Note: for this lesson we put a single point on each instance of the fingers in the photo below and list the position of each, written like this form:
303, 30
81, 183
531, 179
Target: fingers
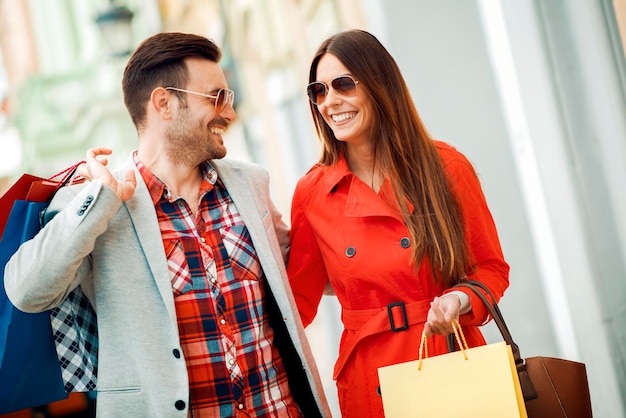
94, 152
440, 315
95, 168
82, 171
436, 322
126, 189
130, 178
92, 168
428, 331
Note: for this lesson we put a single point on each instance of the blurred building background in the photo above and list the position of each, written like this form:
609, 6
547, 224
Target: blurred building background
532, 91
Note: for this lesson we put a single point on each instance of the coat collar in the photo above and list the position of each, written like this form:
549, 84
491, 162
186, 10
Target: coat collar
335, 173
361, 199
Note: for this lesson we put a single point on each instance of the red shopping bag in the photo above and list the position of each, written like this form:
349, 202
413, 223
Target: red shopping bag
34, 189
30, 374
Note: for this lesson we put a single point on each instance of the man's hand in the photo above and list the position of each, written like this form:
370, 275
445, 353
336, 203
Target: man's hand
95, 168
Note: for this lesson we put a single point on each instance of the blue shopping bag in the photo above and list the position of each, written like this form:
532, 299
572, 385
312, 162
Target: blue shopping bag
47, 355
30, 374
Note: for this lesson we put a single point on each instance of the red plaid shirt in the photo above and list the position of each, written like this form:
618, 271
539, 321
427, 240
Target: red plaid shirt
234, 368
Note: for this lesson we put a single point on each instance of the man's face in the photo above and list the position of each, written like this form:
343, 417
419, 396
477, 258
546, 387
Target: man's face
195, 134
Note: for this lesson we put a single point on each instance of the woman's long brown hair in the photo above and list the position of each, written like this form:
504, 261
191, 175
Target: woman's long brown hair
404, 151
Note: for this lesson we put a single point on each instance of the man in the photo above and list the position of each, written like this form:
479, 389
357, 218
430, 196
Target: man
182, 255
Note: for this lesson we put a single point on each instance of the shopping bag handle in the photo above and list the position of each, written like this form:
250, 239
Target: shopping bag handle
460, 339
528, 388
495, 312
68, 175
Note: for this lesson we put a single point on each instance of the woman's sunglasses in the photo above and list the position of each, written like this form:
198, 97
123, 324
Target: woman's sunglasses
318, 90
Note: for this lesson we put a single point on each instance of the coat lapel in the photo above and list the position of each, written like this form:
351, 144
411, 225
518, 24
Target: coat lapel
144, 219
240, 191
249, 204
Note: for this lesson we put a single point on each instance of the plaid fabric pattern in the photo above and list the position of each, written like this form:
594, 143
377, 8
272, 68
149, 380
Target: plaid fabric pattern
75, 332
217, 280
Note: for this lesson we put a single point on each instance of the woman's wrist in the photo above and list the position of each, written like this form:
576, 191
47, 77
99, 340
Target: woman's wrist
464, 299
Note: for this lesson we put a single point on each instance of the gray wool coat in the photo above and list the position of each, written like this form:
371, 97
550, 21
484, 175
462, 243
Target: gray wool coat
114, 251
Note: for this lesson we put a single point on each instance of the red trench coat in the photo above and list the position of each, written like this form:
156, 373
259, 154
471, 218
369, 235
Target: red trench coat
344, 232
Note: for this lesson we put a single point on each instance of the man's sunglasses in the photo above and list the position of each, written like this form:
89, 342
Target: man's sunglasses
318, 90
222, 98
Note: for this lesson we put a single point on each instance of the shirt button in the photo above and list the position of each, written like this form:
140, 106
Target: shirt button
240, 406
176, 352
180, 405
350, 251
231, 362
213, 280
202, 239
405, 242
222, 321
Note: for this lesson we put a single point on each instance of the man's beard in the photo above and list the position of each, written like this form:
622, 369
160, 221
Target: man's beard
190, 142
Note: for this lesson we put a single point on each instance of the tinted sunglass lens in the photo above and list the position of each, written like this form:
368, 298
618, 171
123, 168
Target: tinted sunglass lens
316, 92
224, 97
344, 85
220, 101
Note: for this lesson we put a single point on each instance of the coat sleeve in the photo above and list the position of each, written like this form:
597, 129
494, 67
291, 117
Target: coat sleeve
45, 269
306, 269
482, 236
282, 231
280, 226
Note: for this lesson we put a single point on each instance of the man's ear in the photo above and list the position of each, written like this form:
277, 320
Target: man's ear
161, 102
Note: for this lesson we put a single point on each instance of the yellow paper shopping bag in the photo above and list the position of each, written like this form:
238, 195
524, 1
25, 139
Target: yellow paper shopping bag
479, 382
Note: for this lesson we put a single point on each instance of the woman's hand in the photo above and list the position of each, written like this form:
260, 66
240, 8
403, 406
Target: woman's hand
96, 169
443, 309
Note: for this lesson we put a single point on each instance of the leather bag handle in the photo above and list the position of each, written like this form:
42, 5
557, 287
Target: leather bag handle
528, 389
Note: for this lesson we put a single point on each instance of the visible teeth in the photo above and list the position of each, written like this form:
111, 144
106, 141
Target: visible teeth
218, 130
343, 116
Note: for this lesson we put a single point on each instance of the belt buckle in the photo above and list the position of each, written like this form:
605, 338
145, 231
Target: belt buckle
392, 322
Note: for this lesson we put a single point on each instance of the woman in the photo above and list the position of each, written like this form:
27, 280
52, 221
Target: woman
391, 218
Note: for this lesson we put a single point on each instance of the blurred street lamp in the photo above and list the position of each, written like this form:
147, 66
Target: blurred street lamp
115, 24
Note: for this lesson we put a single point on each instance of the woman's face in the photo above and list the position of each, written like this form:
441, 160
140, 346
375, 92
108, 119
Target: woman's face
350, 116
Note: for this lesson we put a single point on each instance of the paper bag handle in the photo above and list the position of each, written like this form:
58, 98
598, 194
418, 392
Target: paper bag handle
528, 388
460, 339
68, 175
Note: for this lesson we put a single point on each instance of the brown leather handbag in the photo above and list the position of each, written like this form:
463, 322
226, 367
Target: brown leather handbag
552, 387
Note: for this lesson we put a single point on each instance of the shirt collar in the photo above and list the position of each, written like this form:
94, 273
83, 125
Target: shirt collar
159, 190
